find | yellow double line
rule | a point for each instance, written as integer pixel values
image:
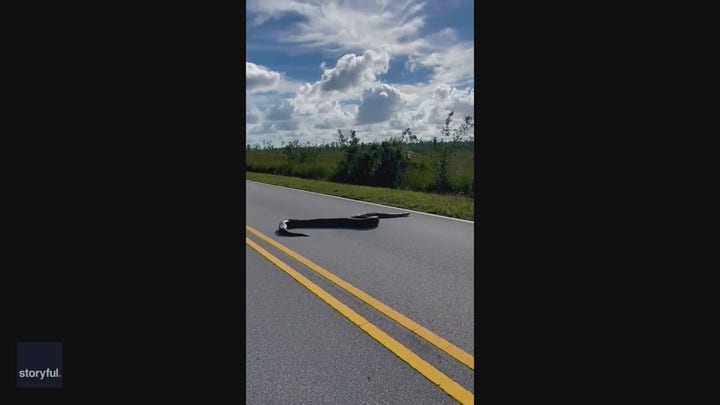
(426, 369)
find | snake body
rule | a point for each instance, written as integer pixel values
(359, 221)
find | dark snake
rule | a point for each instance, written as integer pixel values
(364, 220)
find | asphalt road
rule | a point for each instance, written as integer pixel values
(300, 350)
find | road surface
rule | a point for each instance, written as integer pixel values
(301, 349)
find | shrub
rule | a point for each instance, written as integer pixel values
(444, 149)
(372, 164)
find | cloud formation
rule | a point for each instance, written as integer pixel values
(282, 111)
(361, 42)
(346, 25)
(454, 65)
(353, 71)
(260, 78)
(378, 104)
(351, 74)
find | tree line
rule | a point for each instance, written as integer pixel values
(386, 163)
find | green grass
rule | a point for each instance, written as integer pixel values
(274, 162)
(447, 205)
(418, 178)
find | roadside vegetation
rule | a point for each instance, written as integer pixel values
(444, 165)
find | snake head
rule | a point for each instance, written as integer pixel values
(283, 229)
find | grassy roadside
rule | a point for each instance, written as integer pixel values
(451, 206)
(419, 177)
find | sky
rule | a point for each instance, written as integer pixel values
(379, 67)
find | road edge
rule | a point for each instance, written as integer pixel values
(366, 202)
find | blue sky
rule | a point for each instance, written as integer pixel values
(314, 67)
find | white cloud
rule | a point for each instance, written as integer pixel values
(350, 24)
(454, 65)
(350, 94)
(281, 111)
(430, 114)
(351, 74)
(281, 116)
(252, 117)
(442, 92)
(260, 78)
(395, 26)
(378, 104)
(381, 111)
(332, 115)
(401, 120)
(289, 125)
(353, 71)
(287, 86)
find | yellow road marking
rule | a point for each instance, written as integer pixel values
(408, 323)
(436, 376)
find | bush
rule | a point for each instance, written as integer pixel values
(297, 153)
(444, 149)
(372, 164)
(394, 162)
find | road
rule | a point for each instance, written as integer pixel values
(300, 349)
